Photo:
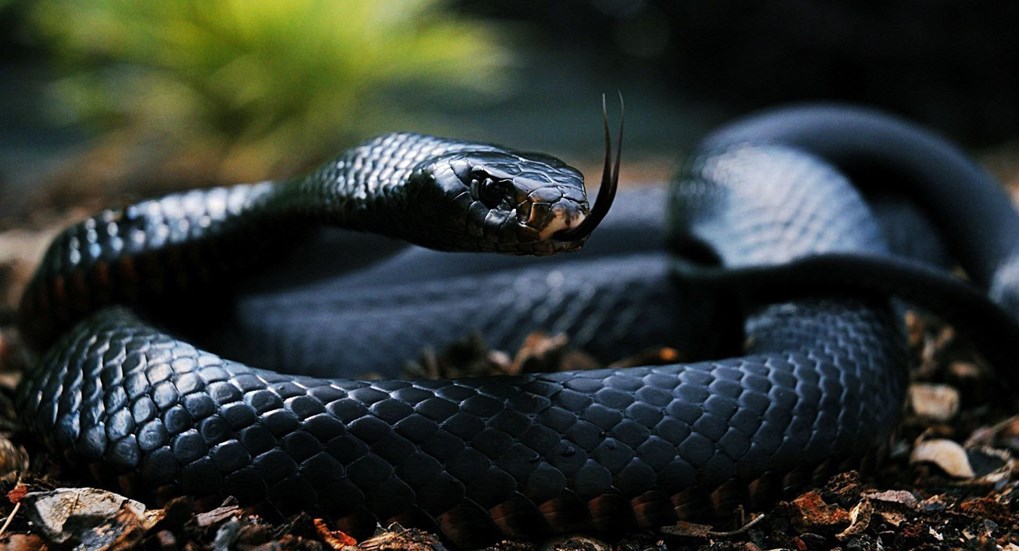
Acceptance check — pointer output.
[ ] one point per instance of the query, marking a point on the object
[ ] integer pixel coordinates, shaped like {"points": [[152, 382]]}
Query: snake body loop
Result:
{"points": [[762, 220]]}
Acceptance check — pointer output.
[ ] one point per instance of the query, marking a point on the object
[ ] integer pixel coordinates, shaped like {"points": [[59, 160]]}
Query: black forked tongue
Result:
{"points": [[609, 182]]}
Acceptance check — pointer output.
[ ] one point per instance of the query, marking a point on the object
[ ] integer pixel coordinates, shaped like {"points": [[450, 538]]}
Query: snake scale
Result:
{"points": [[766, 245]]}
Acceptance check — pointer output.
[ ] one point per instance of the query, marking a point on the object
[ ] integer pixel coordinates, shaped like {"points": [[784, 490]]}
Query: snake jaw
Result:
{"points": [[507, 201], [560, 218]]}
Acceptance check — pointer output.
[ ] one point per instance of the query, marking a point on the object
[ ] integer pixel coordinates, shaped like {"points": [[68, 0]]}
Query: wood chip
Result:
{"points": [[217, 515]]}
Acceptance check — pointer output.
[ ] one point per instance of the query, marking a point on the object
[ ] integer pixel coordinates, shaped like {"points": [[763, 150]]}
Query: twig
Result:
{"points": [[10, 518]]}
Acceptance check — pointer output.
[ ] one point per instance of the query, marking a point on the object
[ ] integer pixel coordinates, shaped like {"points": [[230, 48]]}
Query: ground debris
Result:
{"points": [[576, 543], [810, 513], [466, 357], [88, 517], [540, 352], [472, 357], [398, 538]]}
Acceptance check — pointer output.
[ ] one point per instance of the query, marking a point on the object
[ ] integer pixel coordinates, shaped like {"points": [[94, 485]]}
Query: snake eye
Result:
{"points": [[492, 192]]}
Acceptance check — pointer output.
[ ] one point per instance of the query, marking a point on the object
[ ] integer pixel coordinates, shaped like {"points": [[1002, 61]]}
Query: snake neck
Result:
{"points": [[336, 196], [159, 251], [139, 254], [366, 188]]}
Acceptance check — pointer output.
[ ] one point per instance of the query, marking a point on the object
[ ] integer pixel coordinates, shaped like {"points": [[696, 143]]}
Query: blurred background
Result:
{"points": [[109, 100]]}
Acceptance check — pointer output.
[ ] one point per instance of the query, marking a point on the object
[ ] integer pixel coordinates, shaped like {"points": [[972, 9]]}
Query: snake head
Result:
{"points": [[478, 197], [502, 201]]}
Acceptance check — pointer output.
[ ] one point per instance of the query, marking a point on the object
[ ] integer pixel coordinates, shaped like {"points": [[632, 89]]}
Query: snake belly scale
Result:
{"points": [[817, 387]]}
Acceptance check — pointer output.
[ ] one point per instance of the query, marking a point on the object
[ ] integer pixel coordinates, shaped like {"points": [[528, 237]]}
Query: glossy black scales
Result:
{"points": [[765, 237]]}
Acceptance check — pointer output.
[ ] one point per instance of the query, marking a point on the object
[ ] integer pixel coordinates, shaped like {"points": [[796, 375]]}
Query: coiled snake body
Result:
{"points": [[762, 222]]}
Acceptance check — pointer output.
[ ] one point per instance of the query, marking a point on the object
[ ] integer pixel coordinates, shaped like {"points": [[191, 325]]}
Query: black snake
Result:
{"points": [[769, 254]]}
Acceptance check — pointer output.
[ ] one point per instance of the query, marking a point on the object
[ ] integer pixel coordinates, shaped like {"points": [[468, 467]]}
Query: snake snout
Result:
{"points": [[550, 219]]}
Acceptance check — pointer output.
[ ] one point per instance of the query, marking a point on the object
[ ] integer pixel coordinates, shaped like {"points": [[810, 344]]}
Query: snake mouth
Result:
{"points": [[609, 182], [562, 219]]}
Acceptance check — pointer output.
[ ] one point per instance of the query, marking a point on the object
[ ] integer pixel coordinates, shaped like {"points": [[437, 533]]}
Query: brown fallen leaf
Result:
{"points": [[123, 532], [949, 456], [859, 520], [814, 515], [335, 539], [986, 508], [541, 352], [17, 492]]}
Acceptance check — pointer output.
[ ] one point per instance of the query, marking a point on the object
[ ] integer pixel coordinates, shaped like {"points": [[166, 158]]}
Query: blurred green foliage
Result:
{"points": [[257, 87]]}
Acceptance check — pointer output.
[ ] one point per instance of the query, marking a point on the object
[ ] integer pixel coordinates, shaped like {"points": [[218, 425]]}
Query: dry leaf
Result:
{"points": [[946, 454], [17, 492], [899, 497], [816, 515], [217, 515], [96, 518], [335, 539], [859, 520], [937, 402]]}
